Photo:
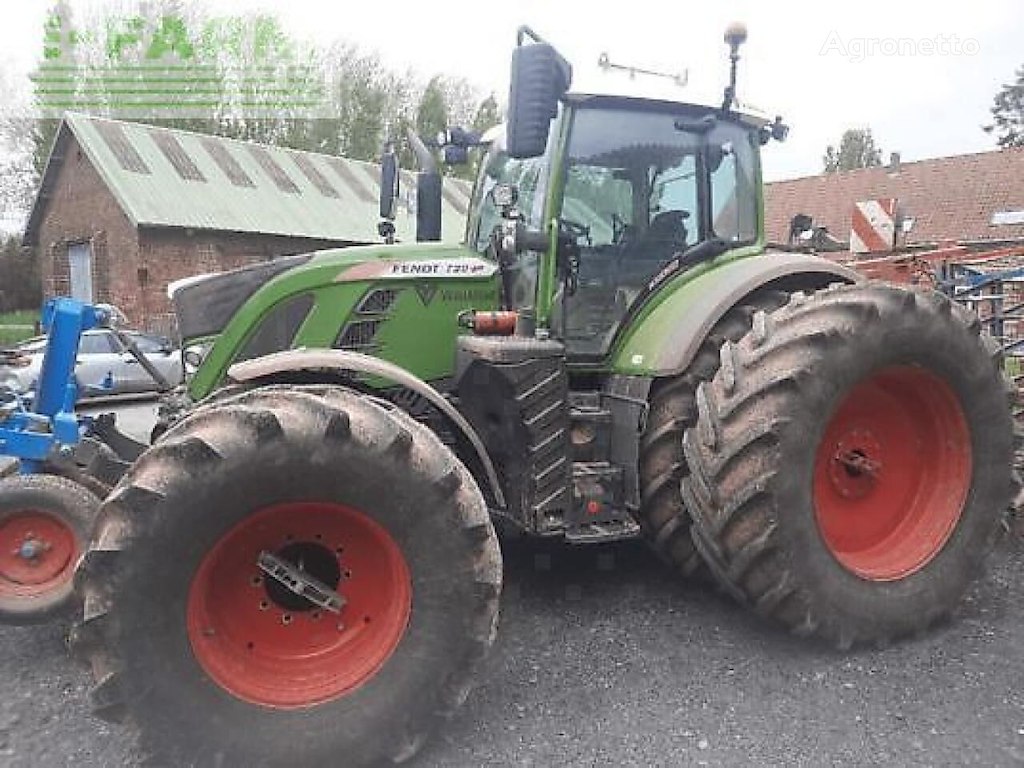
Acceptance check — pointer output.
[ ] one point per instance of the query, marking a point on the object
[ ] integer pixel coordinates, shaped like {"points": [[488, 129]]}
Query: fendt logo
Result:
{"points": [[445, 268]]}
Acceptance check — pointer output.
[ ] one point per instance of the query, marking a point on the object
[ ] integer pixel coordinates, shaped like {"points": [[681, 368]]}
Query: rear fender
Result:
{"points": [[340, 361], [665, 339]]}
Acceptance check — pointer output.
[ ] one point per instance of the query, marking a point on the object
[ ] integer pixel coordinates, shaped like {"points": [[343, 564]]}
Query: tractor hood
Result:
{"points": [[382, 300], [205, 304]]}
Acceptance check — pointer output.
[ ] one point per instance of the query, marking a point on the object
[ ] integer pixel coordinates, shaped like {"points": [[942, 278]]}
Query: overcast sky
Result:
{"points": [[921, 75]]}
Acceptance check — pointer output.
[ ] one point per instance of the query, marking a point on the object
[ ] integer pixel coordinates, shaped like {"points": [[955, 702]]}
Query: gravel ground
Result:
{"points": [[606, 659]]}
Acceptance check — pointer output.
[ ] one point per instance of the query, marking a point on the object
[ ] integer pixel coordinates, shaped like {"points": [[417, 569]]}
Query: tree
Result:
{"points": [[1008, 113], [856, 150], [17, 174], [20, 286], [369, 103], [432, 111], [487, 115]]}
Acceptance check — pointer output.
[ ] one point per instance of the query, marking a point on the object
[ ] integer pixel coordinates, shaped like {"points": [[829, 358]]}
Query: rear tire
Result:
{"points": [[673, 408], [44, 527], [852, 462], [367, 500]]}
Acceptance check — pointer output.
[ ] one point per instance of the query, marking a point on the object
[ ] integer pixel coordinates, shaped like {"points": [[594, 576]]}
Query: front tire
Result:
{"points": [[215, 661], [852, 462]]}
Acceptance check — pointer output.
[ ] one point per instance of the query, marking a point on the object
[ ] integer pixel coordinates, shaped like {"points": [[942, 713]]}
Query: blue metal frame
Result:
{"points": [[33, 434], [968, 283]]}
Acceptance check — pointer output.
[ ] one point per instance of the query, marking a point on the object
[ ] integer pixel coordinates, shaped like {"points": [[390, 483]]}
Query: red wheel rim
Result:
{"points": [[38, 553], [892, 473], [268, 646]]}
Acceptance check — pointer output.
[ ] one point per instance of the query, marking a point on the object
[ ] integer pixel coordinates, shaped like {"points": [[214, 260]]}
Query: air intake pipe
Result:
{"points": [[428, 192]]}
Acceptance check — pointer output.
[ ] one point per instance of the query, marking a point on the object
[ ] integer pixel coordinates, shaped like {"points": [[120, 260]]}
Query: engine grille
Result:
{"points": [[378, 301], [359, 336]]}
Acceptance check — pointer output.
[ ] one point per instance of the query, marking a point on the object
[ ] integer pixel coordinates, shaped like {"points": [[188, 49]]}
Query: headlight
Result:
{"points": [[192, 357]]}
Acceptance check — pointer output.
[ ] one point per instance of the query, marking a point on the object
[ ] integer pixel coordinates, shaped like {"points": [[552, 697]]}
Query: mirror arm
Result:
{"points": [[524, 32]]}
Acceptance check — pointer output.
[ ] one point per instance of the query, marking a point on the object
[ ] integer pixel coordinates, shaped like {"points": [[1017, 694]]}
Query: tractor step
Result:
{"points": [[601, 533]]}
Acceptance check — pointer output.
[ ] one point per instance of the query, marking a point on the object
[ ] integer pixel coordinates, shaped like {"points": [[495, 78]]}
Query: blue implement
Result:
{"points": [[49, 425]]}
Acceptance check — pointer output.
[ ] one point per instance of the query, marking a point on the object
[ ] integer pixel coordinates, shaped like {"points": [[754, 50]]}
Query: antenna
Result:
{"points": [[735, 36]]}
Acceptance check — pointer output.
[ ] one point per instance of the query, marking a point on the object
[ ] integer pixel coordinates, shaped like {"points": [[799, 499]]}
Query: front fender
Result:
{"points": [[295, 360], [664, 339]]}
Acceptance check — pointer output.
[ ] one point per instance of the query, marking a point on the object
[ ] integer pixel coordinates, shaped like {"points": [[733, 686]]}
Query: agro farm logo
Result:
{"points": [[138, 67]]}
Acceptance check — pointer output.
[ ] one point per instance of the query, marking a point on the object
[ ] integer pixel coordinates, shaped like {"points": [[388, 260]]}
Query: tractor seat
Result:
{"points": [[668, 227]]}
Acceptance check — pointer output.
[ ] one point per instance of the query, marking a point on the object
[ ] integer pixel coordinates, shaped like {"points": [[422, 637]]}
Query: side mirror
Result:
{"points": [[388, 184], [455, 144], [540, 77], [452, 155]]}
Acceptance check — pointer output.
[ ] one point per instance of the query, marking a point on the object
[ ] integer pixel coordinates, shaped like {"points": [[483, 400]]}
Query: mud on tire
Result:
{"points": [[851, 464], [673, 408], [160, 588]]}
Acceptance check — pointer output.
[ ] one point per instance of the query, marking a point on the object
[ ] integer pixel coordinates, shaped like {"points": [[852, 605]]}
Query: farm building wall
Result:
{"points": [[82, 209], [131, 267], [166, 255]]}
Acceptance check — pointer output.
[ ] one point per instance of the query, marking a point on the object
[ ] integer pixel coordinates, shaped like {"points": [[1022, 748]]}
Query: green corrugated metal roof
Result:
{"points": [[170, 178]]}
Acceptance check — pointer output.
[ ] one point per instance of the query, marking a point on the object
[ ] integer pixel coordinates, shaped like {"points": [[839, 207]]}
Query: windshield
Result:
{"points": [[642, 187], [499, 168]]}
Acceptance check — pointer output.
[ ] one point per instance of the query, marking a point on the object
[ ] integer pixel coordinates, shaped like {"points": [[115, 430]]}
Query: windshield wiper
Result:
{"points": [[705, 125]]}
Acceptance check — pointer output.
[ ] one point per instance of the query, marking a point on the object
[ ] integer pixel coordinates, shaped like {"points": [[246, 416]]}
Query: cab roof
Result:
{"points": [[742, 113], [615, 85]]}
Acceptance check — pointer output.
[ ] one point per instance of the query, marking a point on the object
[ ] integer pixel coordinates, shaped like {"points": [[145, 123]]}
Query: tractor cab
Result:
{"points": [[636, 188], [640, 184]]}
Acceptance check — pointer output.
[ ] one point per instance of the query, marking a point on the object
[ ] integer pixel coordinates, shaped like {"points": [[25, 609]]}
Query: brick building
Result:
{"points": [[124, 209], [966, 210], [964, 198]]}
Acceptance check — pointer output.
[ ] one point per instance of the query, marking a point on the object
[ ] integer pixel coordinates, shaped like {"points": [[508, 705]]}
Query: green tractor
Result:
{"points": [[304, 568]]}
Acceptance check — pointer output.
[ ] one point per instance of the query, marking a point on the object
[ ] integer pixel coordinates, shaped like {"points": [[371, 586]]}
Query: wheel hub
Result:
{"points": [[856, 464], [37, 553], [32, 549], [302, 577]]}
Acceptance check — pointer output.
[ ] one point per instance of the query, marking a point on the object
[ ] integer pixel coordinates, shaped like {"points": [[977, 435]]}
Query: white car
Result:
{"points": [[104, 365]]}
